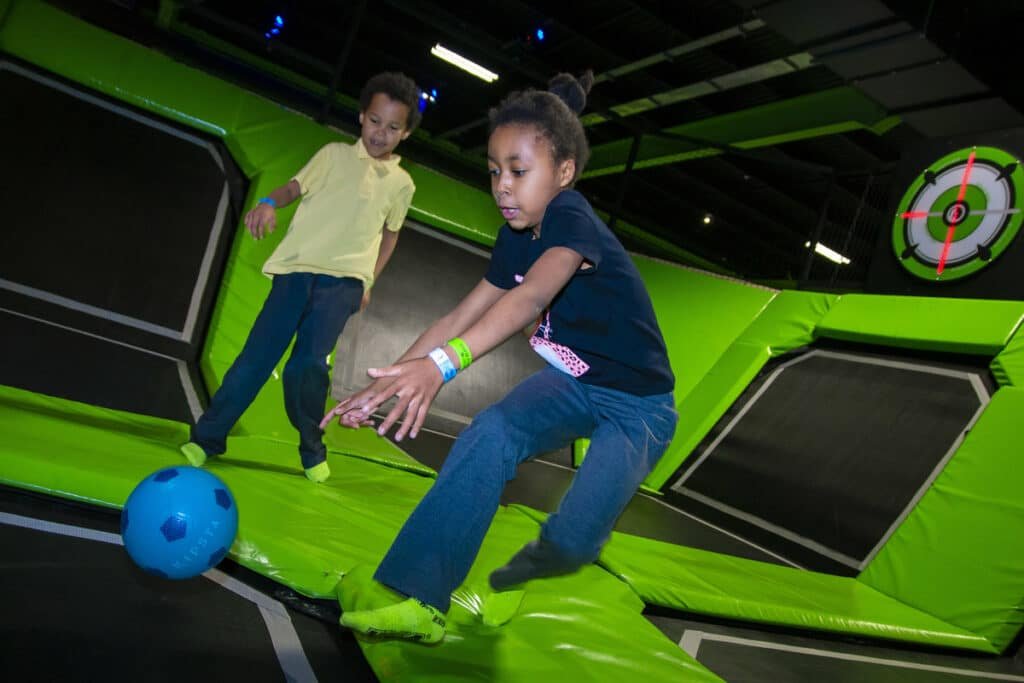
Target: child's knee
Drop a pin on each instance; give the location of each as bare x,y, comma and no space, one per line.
299,370
490,441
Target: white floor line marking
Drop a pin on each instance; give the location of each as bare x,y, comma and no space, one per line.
287,646
691,640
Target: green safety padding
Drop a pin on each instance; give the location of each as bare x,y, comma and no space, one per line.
588,626
931,324
308,536
1008,366
736,588
708,583
699,314
98,455
786,323
959,554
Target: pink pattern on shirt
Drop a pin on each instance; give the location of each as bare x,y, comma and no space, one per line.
559,356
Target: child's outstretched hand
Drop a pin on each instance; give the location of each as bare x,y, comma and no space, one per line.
261,220
414,383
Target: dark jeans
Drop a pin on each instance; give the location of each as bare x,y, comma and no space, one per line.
628,434
312,308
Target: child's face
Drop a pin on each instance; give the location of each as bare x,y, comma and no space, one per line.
524,177
383,123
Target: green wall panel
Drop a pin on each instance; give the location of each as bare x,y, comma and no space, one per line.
953,325
959,554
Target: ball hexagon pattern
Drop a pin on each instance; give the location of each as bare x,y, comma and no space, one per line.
178,522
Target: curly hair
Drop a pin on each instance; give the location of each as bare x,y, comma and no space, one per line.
399,88
555,114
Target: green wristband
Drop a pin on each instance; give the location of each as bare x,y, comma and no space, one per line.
462,351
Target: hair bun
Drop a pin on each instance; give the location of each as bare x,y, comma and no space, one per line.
571,90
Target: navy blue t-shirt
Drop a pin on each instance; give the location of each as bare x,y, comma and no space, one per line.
601,327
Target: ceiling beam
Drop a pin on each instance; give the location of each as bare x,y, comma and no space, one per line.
823,113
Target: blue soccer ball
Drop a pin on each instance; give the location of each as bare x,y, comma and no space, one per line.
179,522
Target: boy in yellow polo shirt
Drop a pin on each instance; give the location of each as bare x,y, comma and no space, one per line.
354,200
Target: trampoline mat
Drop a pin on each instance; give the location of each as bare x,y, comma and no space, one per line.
116,210
56,360
832,449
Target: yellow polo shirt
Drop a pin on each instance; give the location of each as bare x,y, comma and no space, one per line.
347,199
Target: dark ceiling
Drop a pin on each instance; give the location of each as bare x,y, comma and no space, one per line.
754,113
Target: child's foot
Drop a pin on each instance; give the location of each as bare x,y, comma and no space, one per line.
536,560
499,608
194,453
318,473
408,619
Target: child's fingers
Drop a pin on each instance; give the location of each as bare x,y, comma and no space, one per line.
408,419
389,371
392,416
421,416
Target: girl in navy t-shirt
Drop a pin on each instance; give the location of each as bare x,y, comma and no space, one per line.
555,262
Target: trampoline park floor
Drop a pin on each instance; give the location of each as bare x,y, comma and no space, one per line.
76,608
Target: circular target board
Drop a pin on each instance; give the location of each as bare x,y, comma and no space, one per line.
960,214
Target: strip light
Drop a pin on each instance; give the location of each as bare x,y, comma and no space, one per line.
458,60
831,254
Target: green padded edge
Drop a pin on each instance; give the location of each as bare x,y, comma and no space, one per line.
953,325
1008,366
703,582
959,555
785,323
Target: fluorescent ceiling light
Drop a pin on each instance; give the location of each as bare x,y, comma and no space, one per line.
830,254
458,60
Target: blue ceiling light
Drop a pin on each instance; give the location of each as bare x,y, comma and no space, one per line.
427,98
540,34
276,25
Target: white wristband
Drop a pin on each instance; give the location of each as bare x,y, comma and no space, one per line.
443,363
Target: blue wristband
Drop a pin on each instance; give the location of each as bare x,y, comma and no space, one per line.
443,363
267,200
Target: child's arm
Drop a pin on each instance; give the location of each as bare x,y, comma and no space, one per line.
388,242
262,220
416,380
452,324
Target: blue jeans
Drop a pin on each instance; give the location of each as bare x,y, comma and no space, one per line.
314,309
628,434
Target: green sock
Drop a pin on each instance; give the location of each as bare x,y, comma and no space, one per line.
408,619
318,473
194,453
499,608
